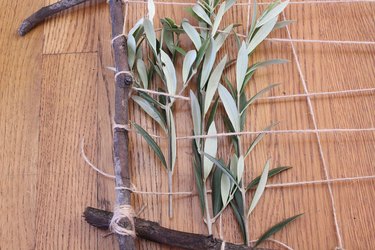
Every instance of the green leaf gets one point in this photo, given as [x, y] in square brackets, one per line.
[274, 12]
[173, 141]
[142, 72]
[151, 9]
[233, 165]
[208, 63]
[201, 52]
[179, 50]
[276, 228]
[225, 188]
[271, 174]
[192, 34]
[261, 34]
[187, 64]
[196, 115]
[257, 95]
[169, 73]
[265, 63]
[253, 21]
[198, 175]
[152, 144]
[230, 107]
[135, 27]
[229, 4]
[150, 33]
[240, 168]
[240, 220]
[223, 168]
[132, 48]
[150, 110]
[218, 18]
[260, 189]
[217, 203]
[222, 36]
[210, 148]
[282, 24]
[258, 139]
[241, 66]
[211, 117]
[199, 11]
[213, 83]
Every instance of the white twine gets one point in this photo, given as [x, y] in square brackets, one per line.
[116, 37]
[325, 166]
[120, 213]
[277, 242]
[121, 126]
[123, 72]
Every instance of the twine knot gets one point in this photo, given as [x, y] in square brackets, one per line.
[117, 222]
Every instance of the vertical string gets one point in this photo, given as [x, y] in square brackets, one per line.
[325, 167]
[125, 17]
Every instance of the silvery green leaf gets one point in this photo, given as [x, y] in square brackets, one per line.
[256, 96]
[187, 64]
[139, 54]
[222, 36]
[230, 107]
[151, 9]
[136, 26]
[213, 83]
[132, 47]
[179, 50]
[152, 144]
[210, 147]
[274, 12]
[196, 115]
[240, 167]
[199, 182]
[275, 229]
[211, 117]
[193, 34]
[199, 11]
[282, 24]
[229, 4]
[233, 164]
[217, 203]
[255, 66]
[201, 52]
[150, 33]
[203, 28]
[142, 72]
[225, 188]
[261, 34]
[150, 110]
[173, 141]
[253, 21]
[240, 220]
[169, 73]
[208, 63]
[218, 18]
[241, 66]
[258, 139]
[260, 189]
[168, 40]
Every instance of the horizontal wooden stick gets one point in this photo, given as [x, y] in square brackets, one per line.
[154, 232]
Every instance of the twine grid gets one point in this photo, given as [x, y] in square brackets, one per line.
[127, 212]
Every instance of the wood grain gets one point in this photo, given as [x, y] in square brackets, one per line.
[48, 103]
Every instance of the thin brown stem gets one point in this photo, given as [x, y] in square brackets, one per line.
[152, 231]
[46, 12]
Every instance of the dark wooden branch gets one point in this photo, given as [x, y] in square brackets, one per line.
[154, 232]
[120, 136]
[44, 13]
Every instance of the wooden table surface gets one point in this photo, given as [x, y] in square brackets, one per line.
[55, 91]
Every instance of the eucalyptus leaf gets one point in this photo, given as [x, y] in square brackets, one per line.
[187, 64]
[152, 144]
[135, 27]
[213, 83]
[255, 66]
[193, 34]
[225, 188]
[240, 168]
[261, 34]
[211, 117]
[196, 115]
[223, 168]
[274, 12]
[173, 141]
[150, 110]
[282, 24]
[169, 73]
[260, 189]
[241, 66]
[229, 4]
[150, 33]
[257, 95]
[233, 165]
[198, 175]
[276, 228]
[271, 173]
[253, 21]
[199, 11]
[208, 63]
[230, 107]
[142, 72]
[132, 48]
[151, 9]
[210, 148]
[218, 18]
[240, 220]
[217, 203]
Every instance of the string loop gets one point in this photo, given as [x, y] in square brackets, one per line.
[120, 213]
